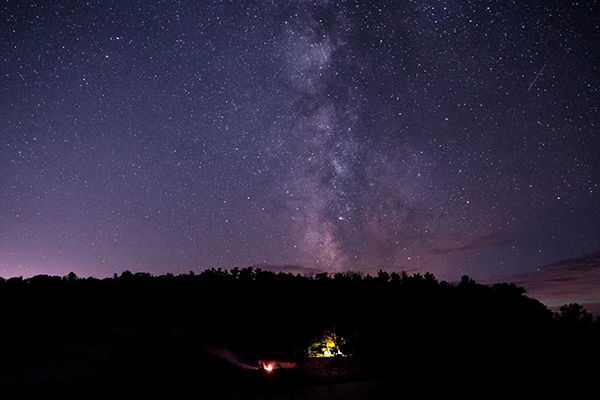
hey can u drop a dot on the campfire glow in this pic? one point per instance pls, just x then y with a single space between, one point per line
268 367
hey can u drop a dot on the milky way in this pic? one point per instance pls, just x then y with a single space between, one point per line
456 137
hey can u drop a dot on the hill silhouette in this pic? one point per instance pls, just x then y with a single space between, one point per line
139 334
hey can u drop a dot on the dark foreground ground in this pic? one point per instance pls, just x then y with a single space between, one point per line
190 336
116 361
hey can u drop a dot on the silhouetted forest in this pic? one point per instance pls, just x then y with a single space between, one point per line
64 336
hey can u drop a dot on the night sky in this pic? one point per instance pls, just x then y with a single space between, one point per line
455 137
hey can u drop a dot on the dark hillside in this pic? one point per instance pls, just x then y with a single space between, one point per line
138 333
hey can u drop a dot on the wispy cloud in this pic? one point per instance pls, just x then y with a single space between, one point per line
575 280
481 241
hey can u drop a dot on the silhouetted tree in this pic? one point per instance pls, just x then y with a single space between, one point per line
383 276
247 274
321 277
403 276
15 281
430 279
126 275
71 277
572 314
465 282
509 289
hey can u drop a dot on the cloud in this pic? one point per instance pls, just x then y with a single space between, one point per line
481 241
575 280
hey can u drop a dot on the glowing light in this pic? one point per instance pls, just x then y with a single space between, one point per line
268 367
326 346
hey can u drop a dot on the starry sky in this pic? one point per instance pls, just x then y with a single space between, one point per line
455 137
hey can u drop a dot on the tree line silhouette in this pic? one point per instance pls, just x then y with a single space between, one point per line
388 321
284 307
